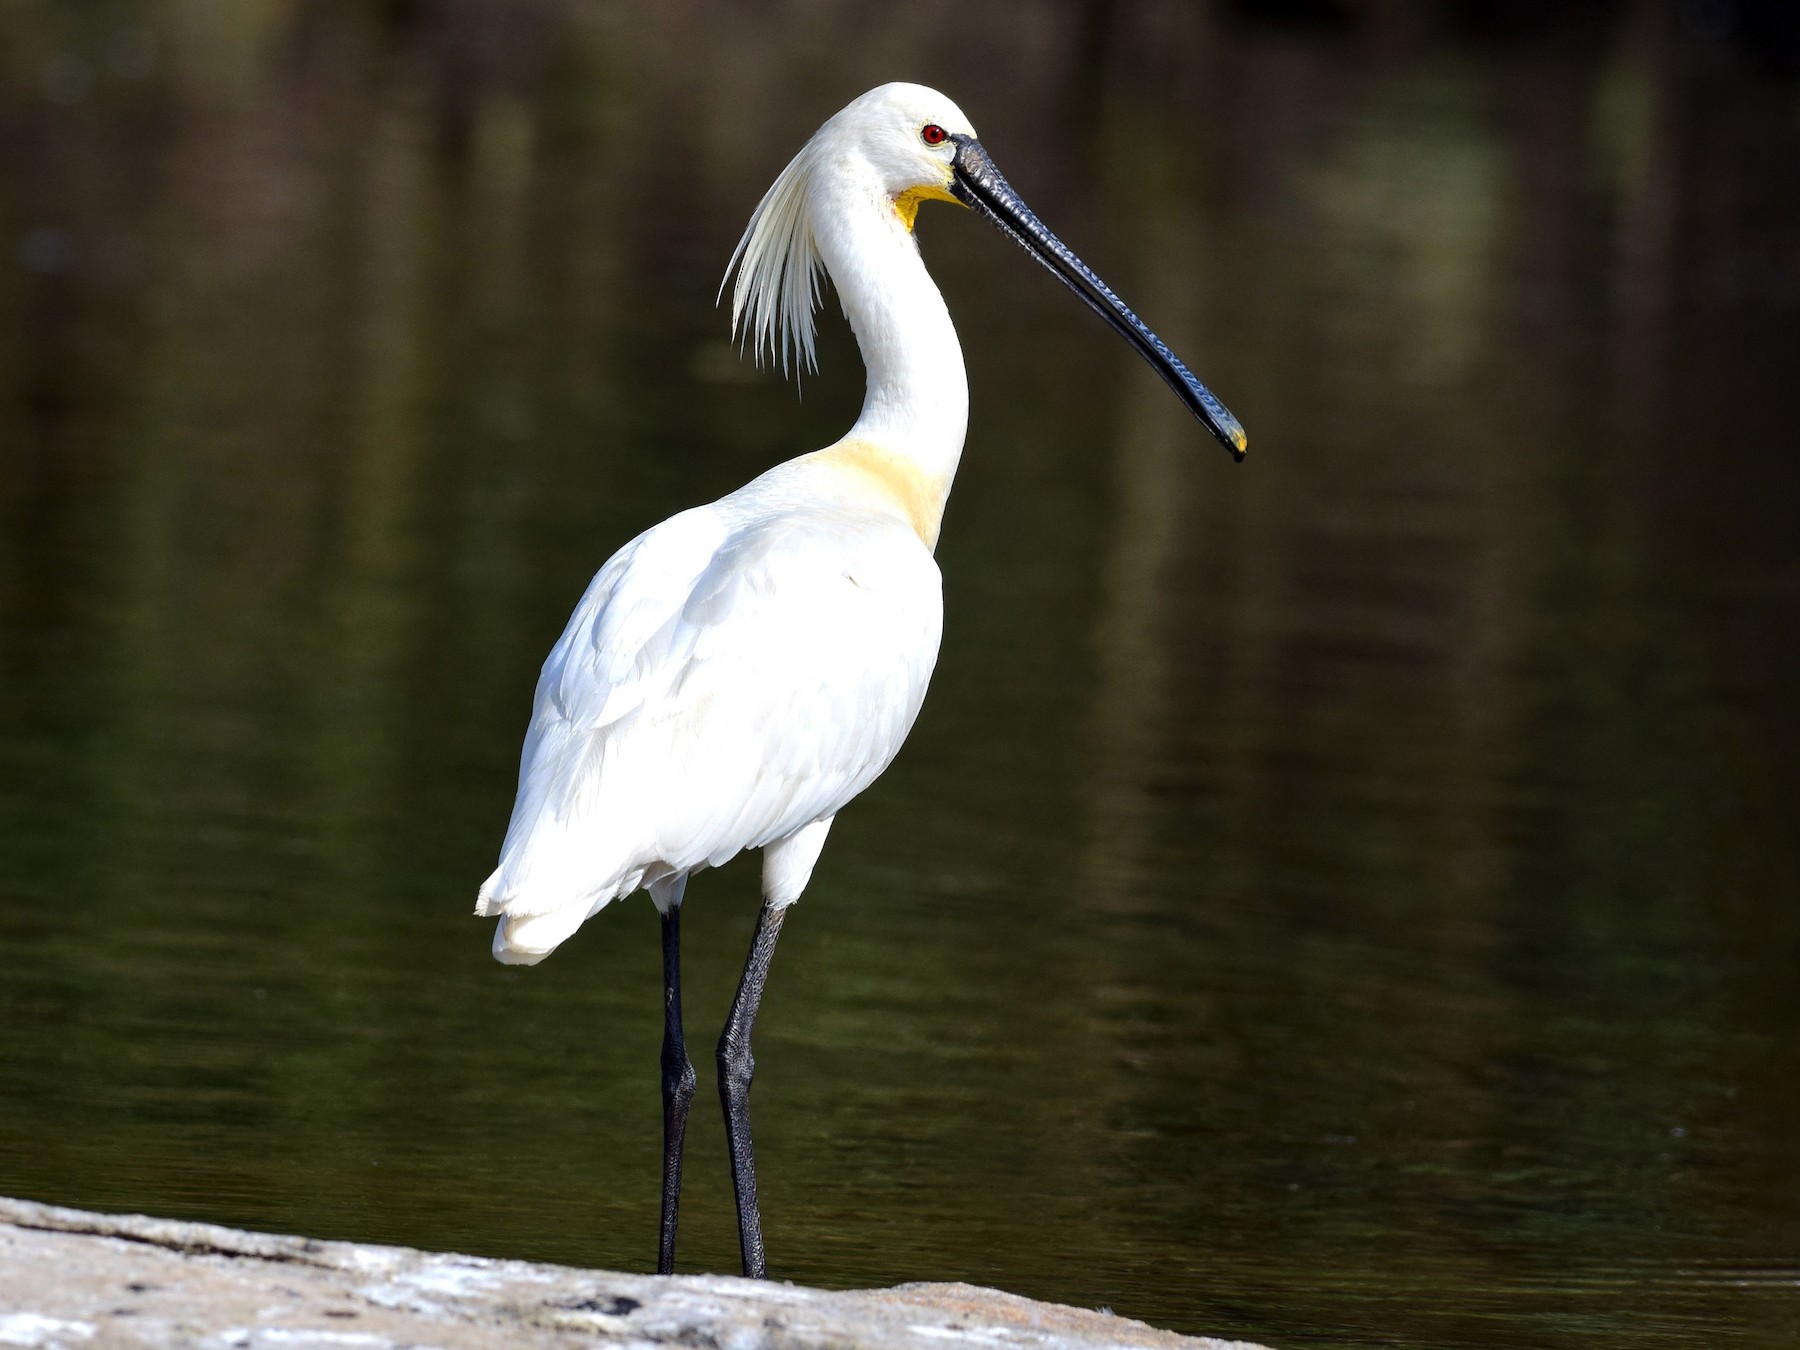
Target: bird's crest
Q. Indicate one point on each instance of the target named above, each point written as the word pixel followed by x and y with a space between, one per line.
pixel 778 266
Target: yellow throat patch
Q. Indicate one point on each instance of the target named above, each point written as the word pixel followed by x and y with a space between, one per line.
pixel 906 205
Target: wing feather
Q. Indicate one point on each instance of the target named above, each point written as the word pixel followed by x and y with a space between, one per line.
pixel 722 684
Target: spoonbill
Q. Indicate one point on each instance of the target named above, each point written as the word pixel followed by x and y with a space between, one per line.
pixel 735 675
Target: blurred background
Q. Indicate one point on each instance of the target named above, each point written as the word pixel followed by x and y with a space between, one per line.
pixel 1343 900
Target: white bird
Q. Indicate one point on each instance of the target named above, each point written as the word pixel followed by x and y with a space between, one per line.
pixel 736 674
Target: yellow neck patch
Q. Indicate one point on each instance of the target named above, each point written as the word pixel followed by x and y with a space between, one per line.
pixel 906 205
pixel 919 497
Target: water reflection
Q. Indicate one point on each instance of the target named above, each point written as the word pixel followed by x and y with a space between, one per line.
pixel 1341 900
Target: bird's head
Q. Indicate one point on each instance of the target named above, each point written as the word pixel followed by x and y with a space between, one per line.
pixel 901 140
pixel 901 145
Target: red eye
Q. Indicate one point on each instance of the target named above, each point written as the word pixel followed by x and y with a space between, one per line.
pixel 933 134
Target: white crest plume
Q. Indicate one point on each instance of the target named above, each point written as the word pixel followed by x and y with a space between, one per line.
pixel 778 267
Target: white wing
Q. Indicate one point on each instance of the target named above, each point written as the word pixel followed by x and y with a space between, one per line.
pixel 728 679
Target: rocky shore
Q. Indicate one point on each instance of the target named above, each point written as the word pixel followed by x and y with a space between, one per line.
pixel 72 1280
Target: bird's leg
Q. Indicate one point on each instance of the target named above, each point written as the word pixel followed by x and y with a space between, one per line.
pixel 677 1086
pixel 735 1068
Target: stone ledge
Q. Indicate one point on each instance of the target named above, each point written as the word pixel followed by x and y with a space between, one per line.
pixel 71 1280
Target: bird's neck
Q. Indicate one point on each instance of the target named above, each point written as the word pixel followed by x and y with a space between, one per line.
pixel 917 406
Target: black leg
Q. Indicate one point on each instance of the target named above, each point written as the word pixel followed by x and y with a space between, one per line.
pixel 677 1086
pixel 735 1068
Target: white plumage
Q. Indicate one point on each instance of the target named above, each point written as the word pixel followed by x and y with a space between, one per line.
pixel 732 677
pixel 736 674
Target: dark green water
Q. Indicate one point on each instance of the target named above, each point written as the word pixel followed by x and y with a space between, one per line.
pixel 1344 900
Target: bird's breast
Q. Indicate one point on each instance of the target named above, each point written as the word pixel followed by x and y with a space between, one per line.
pixel 878 475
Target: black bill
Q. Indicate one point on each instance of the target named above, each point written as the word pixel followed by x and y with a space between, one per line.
pixel 978 184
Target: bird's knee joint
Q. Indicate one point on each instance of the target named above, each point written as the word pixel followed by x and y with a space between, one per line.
pixel 679 1078
pixel 736 1065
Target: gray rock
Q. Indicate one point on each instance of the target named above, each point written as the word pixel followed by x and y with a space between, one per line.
pixel 71 1280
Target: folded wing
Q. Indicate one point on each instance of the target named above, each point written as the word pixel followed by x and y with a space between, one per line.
pixel 722 684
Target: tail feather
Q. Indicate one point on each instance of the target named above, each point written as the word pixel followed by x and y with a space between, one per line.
pixel 526 940
pixel 535 922
pixel 488 905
